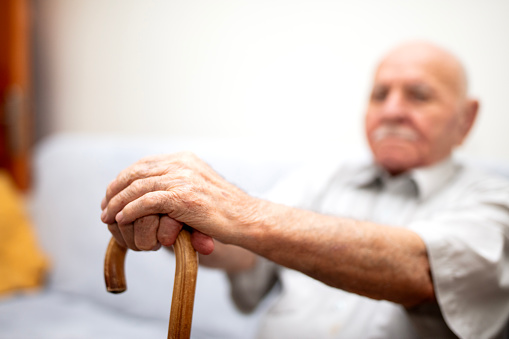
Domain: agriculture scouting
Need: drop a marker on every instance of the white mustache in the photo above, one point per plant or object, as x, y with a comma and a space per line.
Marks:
383, 132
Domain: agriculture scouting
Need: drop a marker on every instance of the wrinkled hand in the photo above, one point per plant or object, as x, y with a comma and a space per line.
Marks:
148, 203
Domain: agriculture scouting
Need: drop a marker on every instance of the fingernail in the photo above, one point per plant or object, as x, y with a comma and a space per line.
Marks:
103, 203
119, 217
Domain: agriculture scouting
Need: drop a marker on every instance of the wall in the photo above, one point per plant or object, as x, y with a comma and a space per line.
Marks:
293, 71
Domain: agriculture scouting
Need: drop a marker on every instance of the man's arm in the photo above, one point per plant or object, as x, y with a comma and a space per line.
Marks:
376, 261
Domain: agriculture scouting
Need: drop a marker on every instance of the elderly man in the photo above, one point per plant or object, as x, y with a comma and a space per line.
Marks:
408, 245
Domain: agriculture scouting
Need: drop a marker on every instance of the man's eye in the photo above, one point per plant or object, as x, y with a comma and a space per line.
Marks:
419, 94
379, 95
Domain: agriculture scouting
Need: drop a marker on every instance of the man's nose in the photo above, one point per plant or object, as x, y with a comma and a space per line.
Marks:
395, 107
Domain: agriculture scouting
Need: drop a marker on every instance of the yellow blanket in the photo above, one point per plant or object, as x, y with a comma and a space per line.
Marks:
22, 264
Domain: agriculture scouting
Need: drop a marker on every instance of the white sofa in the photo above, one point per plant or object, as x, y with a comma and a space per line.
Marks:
71, 174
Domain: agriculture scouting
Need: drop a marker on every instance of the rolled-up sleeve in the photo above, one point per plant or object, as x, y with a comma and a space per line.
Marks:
468, 250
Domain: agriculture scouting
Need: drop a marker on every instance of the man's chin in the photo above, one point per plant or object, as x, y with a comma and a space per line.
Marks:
396, 162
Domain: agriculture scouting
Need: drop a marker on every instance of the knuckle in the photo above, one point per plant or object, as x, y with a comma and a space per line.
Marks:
144, 160
141, 222
142, 170
137, 185
148, 159
186, 175
124, 227
151, 199
116, 203
141, 186
150, 203
123, 177
146, 222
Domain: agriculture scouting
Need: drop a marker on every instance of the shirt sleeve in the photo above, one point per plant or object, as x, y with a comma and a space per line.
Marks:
249, 288
468, 249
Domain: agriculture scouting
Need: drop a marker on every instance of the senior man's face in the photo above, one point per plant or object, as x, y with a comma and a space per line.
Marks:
414, 116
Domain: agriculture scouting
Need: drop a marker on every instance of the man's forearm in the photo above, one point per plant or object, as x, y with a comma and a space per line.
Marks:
377, 261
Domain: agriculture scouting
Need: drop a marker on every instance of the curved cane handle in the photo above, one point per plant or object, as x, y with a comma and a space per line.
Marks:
184, 285
114, 275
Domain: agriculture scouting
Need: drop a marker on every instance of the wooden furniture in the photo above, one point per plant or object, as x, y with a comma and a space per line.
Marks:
15, 112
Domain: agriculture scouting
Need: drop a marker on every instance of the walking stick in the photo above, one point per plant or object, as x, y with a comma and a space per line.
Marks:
183, 288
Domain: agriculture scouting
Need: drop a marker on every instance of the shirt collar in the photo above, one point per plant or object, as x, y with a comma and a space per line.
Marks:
430, 179
426, 179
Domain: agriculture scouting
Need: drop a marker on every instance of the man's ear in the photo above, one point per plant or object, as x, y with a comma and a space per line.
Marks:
468, 117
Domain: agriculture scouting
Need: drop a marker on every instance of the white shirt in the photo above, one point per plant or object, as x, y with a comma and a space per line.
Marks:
461, 214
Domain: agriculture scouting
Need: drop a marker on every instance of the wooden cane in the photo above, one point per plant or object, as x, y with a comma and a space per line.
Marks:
184, 285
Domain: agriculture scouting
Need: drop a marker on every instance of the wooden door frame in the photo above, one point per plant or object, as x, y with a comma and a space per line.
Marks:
16, 130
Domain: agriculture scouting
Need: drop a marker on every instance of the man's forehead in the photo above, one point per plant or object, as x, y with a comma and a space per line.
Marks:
407, 72
422, 63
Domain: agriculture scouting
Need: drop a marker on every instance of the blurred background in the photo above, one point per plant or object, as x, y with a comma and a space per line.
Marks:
293, 72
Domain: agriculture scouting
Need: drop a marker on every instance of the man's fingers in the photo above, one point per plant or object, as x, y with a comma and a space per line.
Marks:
144, 168
135, 190
202, 243
115, 232
168, 230
158, 202
140, 235
145, 232
127, 231
125, 178
150, 232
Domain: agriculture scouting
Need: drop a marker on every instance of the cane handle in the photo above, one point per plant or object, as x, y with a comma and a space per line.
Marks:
183, 287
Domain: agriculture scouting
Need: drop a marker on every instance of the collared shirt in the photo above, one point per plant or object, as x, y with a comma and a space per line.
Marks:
461, 214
